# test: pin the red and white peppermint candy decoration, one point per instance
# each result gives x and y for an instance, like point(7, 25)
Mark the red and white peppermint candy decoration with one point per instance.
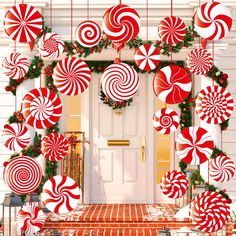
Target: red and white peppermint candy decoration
point(120, 82)
point(214, 104)
point(147, 57)
point(88, 33)
point(22, 175)
point(23, 23)
point(172, 30)
point(71, 76)
point(172, 84)
point(209, 211)
point(41, 108)
point(15, 66)
point(121, 23)
point(194, 145)
point(199, 61)
point(60, 194)
point(174, 184)
point(50, 46)
point(212, 21)
point(54, 147)
point(31, 219)
point(16, 136)
point(165, 121)
point(222, 169)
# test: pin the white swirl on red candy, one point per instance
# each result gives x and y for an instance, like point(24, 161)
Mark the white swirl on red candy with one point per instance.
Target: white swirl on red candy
point(121, 23)
point(120, 82)
point(88, 33)
point(15, 66)
point(194, 145)
point(71, 76)
point(23, 23)
point(172, 84)
point(60, 194)
point(147, 57)
point(174, 184)
point(54, 147)
point(199, 61)
point(50, 46)
point(31, 219)
point(209, 211)
point(41, 108)
point(22, 175)
point(212, 21)
point(172, 30)
point(16, 136)
point(222, 169)
point(165, 121)
point(214, 104)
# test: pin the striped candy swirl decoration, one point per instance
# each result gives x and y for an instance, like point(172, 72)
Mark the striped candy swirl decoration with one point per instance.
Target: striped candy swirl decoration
point(120, 82)
point(174, 184)
point(199, 61)
point(60, 194)
point(212, 21)
point(165, 121)
point(71, 76)
point(121, 23)
point(54, 147)
point(31, 219)
point(15, 66)
point(194, 145)
point(88, 33)
point(50, 46)
point(172, 30)
point(147, 57)
point(209, 211)
point(222, 169)
point(172, 84)
point(214, 104)
point(16, 136)
point(41, 108)
point(22, 175)
point(23, 23)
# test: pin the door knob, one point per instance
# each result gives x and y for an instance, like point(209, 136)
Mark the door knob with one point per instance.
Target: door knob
point(143, 157)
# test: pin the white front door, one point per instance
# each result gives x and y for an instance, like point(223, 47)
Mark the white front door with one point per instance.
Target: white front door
point(118, 173)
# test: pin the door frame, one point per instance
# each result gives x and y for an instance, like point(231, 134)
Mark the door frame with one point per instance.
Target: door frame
point(86, 123)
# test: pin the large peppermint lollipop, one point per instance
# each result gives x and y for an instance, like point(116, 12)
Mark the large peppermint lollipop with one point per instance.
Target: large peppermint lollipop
point(121, 23)
point(15, 66)
point(165, 121)
point(88, 33)
point(172, 84)
point(120, 82)
point(23, 23)
point(41, 108)
point(71, 76)
point(174, 184)
point(16, 136)
point(31, 219)
point(60, 194)
point(209, 211)
point(222, 169)
point(22, 175)
point(50, 46)
point(214, 104)
point(199, 61)
point(194, 145)
point(172, 30)
point(212, 21)
point(54, 147)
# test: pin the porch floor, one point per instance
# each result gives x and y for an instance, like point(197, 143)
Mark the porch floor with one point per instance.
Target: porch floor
point(116, 220)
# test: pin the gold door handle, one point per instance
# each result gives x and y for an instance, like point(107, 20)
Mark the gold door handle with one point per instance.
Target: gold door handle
point(143, 158)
